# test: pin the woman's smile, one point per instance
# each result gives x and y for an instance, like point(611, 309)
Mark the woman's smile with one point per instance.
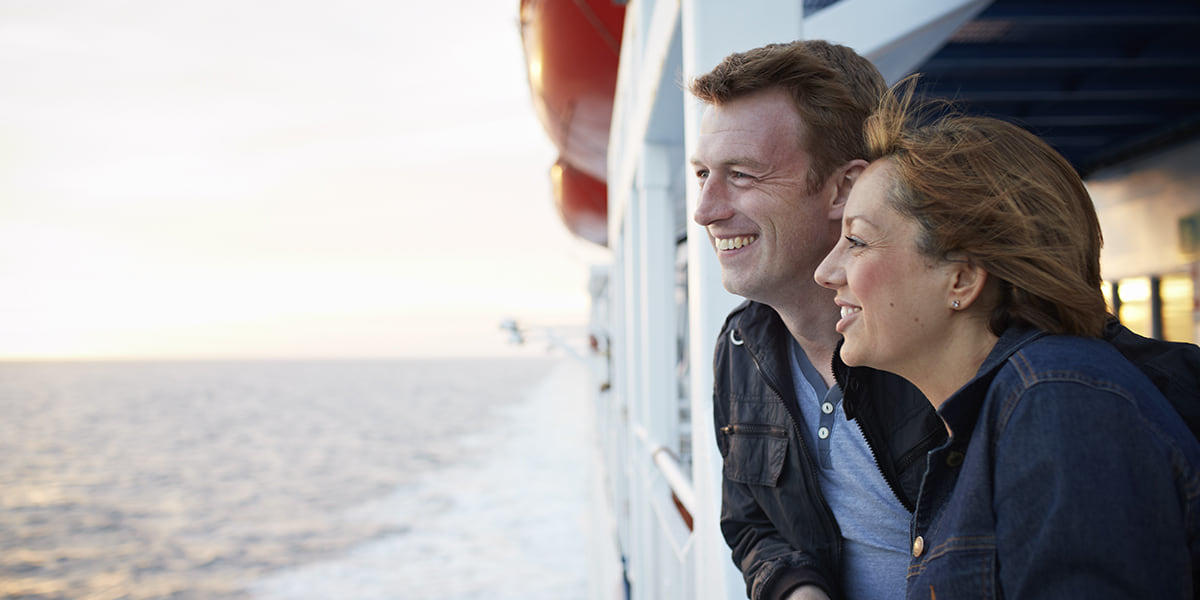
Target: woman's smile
point(849, 313)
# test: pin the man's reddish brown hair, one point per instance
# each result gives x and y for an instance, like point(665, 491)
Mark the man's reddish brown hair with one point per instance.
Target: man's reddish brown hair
point(832, 87)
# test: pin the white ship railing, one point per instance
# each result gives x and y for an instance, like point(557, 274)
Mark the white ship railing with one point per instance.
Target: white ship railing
point(666, 507)
point(670, 468)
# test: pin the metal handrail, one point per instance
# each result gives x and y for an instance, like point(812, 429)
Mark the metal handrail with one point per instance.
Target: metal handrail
point(671, 469)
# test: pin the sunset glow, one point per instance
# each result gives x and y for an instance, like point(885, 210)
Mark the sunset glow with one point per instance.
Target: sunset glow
point(221, 179)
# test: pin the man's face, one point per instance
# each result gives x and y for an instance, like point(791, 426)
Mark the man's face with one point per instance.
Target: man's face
point(769, 230)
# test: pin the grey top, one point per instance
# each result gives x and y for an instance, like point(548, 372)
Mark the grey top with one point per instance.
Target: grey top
point(874, 525)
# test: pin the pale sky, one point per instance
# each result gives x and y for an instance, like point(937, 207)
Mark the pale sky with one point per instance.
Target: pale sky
point(217, 178)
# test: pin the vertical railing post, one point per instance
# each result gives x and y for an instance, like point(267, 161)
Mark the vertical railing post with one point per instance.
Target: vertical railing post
point(659, 408)
point(616, 440)
point(635, 351)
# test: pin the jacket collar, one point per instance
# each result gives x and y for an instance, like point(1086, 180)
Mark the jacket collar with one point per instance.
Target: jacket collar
point(760, 329)
point(961, 410)
point(862, 386)
point(757, 323)
point(853, 380)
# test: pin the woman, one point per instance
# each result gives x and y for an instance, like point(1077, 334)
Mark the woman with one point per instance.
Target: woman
point(970, 266)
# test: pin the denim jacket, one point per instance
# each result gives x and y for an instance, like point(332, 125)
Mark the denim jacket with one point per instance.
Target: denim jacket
point(1068, 475)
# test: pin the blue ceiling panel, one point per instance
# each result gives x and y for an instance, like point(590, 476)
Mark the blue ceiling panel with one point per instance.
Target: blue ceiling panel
point(1101, 81)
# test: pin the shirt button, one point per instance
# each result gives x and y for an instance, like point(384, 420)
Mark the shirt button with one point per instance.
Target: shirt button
point(918, 546)
point(827, 408)
point(954, 459)
point(823, 433)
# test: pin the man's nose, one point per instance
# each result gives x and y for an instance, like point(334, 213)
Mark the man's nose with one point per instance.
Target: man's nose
point(712, 205)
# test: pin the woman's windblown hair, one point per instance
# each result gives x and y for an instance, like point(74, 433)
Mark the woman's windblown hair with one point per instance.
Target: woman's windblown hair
point(991, 192)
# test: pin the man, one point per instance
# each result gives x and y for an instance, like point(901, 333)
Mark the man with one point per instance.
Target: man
point(814, 505)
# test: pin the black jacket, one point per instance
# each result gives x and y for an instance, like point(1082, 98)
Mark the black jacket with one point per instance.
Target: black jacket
point(773, 514)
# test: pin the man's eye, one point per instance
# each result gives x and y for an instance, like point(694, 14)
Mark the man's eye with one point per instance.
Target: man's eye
point(855, 242)
point(738, 175)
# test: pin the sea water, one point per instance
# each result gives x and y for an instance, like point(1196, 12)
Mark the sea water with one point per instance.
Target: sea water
point(447, 479)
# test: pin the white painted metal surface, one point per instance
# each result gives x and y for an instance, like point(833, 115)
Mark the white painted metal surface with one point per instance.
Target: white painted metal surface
point(896, 35)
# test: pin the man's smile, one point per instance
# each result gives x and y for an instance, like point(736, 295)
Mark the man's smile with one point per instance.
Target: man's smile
point(733, 243)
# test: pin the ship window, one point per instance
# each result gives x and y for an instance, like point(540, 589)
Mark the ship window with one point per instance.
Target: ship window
point(1134, 294)
point(1176, 293)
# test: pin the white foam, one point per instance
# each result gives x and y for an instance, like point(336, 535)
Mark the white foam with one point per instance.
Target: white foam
point(511, 524)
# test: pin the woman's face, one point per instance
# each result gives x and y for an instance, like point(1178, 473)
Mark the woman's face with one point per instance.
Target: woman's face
point(894, 300)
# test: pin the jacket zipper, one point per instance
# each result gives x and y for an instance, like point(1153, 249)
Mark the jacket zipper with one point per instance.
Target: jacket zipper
point(812, 464)
point(888, 477)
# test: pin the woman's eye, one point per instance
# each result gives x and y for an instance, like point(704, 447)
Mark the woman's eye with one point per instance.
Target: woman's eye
point(855, 242)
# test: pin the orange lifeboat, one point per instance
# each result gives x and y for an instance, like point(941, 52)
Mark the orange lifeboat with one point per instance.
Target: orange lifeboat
point(572, 48)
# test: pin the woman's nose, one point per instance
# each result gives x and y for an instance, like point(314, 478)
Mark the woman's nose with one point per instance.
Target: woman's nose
point(829, 273)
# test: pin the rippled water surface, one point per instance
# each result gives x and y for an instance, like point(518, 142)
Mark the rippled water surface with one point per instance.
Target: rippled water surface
point(210, 480)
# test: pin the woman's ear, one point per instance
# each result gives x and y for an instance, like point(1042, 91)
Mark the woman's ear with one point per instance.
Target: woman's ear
point(968, 280)
point(843, 180)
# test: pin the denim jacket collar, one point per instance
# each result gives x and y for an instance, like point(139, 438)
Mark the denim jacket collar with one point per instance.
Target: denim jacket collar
point(961, 410)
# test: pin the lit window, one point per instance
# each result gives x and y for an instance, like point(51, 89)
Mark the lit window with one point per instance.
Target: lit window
point(1176, 291)
point(1135, 304)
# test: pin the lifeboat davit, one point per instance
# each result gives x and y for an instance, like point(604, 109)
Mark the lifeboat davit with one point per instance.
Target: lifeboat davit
point(572, 48)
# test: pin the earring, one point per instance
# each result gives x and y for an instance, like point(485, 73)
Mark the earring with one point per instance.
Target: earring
point(954, 304)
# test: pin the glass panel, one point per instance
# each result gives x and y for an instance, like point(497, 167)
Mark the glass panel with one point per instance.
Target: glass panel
point(1135, 304)
point(1176, 291)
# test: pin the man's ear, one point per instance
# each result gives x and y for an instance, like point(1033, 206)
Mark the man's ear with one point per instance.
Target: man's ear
point(968, 280)
point(843, 180)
